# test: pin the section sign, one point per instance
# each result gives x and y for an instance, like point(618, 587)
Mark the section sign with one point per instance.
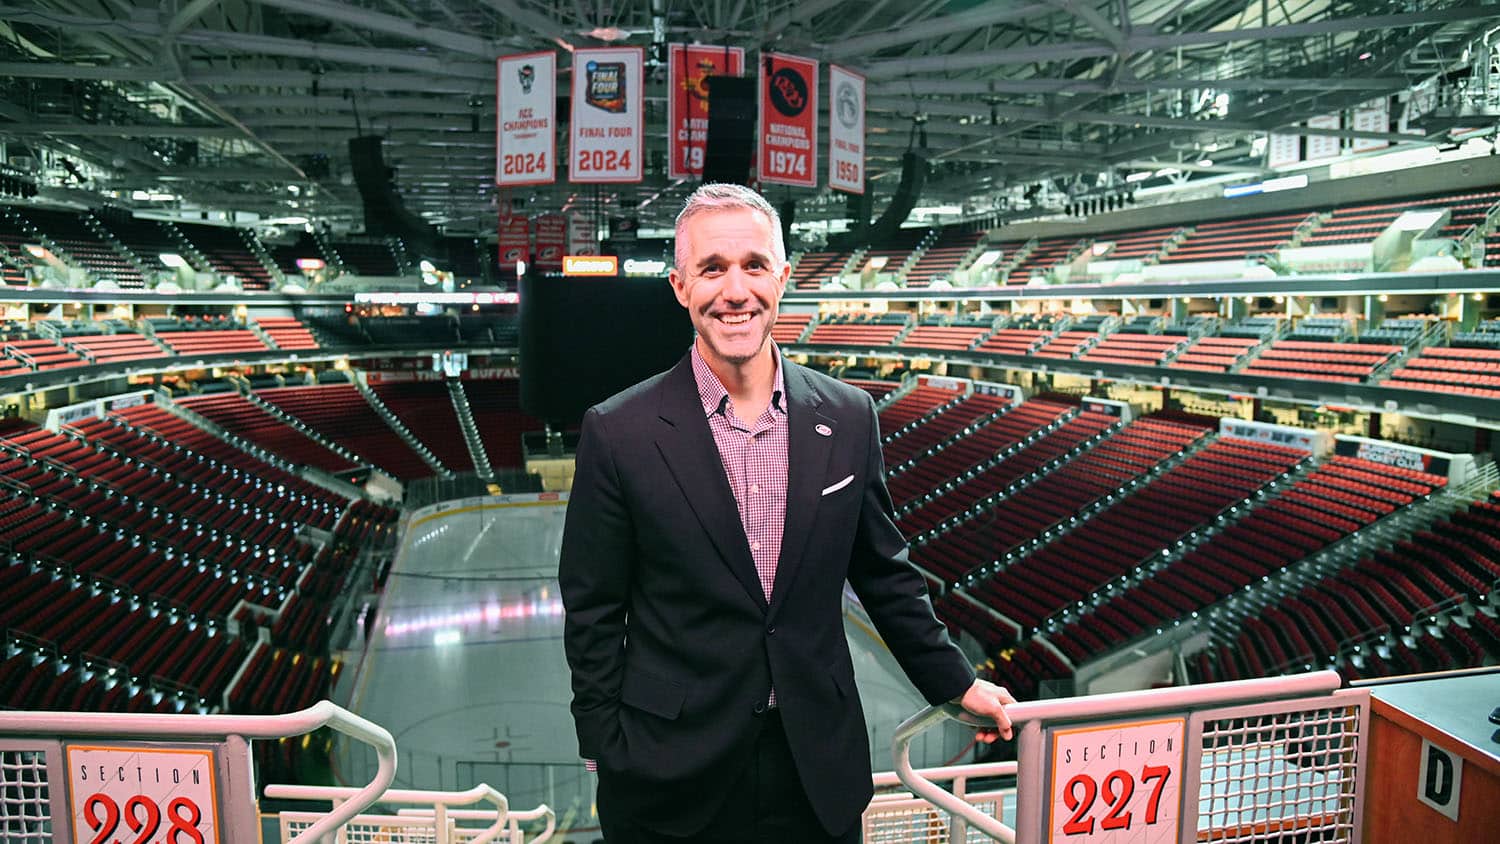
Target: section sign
point(846, 130)
point(526, 119)
point(788, 120)
point(608, 127)
point(688, 68)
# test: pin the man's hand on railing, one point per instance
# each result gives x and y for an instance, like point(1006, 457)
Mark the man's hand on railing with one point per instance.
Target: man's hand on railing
point(987, 700)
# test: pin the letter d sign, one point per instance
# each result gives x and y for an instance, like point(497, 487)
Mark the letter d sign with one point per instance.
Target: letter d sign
point(1440, 779)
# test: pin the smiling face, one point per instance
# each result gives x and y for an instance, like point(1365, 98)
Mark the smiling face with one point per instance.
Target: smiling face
point(731, 283)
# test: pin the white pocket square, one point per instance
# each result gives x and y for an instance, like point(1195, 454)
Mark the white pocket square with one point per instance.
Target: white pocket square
point(840, 485)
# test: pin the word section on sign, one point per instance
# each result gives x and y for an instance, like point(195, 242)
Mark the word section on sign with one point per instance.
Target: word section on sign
point(846, 130)
point(1117, 783)
point(608, 116)
point(142, 794)
point(788, 120)
point(689, 69)
point(526, 119)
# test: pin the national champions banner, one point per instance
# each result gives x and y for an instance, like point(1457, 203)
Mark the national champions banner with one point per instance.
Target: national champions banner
point(688, 69)
point(846, 130)
point(788, 121)
point(513, 241)
point(526, 119)
point(608, 115)
point(551, 241)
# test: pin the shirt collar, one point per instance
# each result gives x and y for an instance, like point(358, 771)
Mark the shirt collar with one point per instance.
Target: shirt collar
point(711, 390)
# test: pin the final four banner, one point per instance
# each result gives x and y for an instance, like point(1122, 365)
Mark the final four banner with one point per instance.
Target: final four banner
point(526, 119)
point(846, 130)
point(688, 69)
point(788, 120)
point(608, 115)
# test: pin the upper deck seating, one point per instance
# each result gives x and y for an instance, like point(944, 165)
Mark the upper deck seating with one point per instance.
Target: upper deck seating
point(341, 415)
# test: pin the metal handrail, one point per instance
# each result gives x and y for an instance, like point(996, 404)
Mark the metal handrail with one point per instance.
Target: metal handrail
point(1110, 705)
point(542, 811)
point(153, 725)
point(404, 795)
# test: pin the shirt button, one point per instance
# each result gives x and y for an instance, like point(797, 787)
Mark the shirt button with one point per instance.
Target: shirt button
point(755, 488)
point(755, 546)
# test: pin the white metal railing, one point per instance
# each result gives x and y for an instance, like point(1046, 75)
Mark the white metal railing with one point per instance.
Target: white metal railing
point(433, 825)
point(514, 820)
point(1254, 758)
point(45, 738)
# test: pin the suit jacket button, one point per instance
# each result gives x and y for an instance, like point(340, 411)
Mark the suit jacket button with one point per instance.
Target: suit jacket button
point(770, 630)
point(760, 708)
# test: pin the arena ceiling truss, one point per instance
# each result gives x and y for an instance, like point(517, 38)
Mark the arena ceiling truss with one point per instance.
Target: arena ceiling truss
point(249, 104)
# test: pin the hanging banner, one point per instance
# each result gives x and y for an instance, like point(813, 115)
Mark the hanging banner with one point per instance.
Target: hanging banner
point(1372, 116)
point(582, 236)
point(526, 119)
point(788, 120)
point(608, 126)
point(846, 130)
point(551, 241)
point(1321, 146)
point(688, 69)
point(513, 241)
point(1283, 150)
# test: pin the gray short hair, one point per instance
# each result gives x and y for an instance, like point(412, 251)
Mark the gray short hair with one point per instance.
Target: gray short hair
point(722, 196)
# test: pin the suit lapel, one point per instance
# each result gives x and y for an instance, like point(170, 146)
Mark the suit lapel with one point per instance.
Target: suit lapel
point(687, 446)
point(808, 453)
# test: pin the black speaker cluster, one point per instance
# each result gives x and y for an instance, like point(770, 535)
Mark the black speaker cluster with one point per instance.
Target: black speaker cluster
point(17, 186)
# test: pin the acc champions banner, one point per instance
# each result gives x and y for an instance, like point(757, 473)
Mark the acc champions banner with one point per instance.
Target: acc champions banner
point(788, 120)
point(608, 115)
point(526, 119)
point(846, 130)
point(688, 69)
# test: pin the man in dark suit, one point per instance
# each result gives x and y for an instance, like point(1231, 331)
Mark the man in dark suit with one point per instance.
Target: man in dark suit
point(717, 511)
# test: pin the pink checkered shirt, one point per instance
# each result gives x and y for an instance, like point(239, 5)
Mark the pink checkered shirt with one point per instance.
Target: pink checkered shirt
point(755, 460)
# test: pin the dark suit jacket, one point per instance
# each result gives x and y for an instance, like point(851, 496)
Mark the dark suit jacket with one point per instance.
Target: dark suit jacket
point(672, 645)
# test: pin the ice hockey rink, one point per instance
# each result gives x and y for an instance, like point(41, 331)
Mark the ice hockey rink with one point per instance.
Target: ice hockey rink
point(465, 663)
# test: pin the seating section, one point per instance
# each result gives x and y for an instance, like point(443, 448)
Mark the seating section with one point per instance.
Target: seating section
point(867, 330)
point(426, 409)
point(938, 427)
point(83, 246)
point(942, 257)
point(955, 337)
point(340, 414)
point(114, 348)
point(1015, 341)
point(877, 389)
point(1231, 240)
point(814, 268)
point(1362, 223)
point(228, 252)
point(985, 534)
point(235, 414)
point(1214, 354)
point(1472, 372)
point(921, 402)
point(1066, 344)
point(927, 479)
point(41, 354)
point(1345, 362)
point(1046, 254)
point(789, 327)
point(1138, 349)
point(1377, 617)
point(211, 341)
point(132, 539)
point(287, 333)
point(1138, 245)
point(496, 406)
point(365, 258)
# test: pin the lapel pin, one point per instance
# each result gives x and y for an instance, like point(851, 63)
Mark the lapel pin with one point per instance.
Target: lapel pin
point(823, 430)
